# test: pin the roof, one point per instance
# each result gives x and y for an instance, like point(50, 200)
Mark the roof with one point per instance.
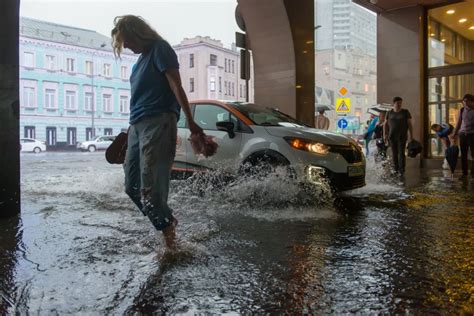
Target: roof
point(59, 33)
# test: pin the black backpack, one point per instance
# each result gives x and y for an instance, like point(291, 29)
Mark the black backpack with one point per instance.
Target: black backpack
point(414, 148)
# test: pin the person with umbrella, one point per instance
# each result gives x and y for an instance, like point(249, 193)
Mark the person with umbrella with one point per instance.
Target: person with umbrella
point(321, 121)
point(465, 130)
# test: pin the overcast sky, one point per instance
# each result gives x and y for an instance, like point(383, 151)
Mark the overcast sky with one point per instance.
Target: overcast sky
point(173, 19)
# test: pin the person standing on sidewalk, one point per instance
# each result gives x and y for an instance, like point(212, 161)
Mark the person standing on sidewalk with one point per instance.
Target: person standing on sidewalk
point(396, 131)
point(465, 130)
point(156, 99)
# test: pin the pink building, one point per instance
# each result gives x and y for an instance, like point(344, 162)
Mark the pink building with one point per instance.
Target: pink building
point(210, 71)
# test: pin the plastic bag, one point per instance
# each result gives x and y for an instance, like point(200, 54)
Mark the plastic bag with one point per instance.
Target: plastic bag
point(203, 144)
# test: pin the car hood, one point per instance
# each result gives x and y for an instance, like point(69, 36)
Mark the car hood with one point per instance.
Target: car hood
point(318, 135)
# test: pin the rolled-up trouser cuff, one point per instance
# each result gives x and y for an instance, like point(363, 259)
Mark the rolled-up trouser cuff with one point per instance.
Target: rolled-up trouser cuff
point(159, 222)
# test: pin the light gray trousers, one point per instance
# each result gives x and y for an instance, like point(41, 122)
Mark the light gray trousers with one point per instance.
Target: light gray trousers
point(151, 150)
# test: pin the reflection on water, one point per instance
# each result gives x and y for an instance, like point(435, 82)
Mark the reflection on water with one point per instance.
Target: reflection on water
point(247, 245)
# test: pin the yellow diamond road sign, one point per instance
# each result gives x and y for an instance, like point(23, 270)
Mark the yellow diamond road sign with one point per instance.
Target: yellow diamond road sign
point(343, 91)
point(343, 105)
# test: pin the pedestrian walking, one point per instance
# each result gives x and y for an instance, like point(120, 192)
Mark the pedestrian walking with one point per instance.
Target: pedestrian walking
point(156, 99)
point(321, 121)
point(397, 131)
point(378, 137)
point(369, 132)
point(465, 130)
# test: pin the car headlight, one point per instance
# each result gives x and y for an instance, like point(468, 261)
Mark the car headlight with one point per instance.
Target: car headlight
point(307, 145)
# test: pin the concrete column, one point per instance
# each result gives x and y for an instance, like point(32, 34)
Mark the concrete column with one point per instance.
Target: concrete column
point(280, 34)
point(9, 108)
point(401, 62)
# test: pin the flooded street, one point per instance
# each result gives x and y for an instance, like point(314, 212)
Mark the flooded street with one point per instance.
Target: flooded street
point(80, 246)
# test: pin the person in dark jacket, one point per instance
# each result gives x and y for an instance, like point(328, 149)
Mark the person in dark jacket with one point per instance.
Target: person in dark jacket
point(397, 130)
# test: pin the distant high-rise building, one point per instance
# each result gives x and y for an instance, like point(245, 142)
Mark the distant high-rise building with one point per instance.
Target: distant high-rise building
point(344, 25)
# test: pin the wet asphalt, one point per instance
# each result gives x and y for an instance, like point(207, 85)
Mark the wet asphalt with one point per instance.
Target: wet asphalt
point(252, 246)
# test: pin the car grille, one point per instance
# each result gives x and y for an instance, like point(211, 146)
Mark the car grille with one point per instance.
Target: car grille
point(342, 182)
point(350, 153)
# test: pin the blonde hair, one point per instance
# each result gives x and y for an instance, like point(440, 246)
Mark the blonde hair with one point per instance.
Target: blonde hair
point(134, 28)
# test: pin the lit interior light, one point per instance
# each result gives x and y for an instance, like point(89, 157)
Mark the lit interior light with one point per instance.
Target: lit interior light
point(309, 42)
point(462, 20)
point(443, 40)
point(299, 87)
point(450, 11)
point(471, 28)
point(432, 34)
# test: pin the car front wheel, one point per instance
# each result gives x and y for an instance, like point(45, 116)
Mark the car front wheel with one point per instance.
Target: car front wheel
point(37, 150)
point(91, 149)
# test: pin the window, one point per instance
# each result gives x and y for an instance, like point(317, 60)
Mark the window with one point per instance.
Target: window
point(191, 84)
point(28, 100)
point(28, 59)
point(240, 91)
point(225, 65)
point(107, 103)
point(89, 67)
point(70, 64)
point(220, 84)
point(233, 65)
point(212, 84)
point(124, 104)
point(50, 62)
point(233, 90)
point(191, 60)
point(123, 72)
point(225, 88)
point(50, 99)
point(30, 132)
point(106, 70)
point(108, 131)
point(182, 120)
point(88, 101)
point(71, 136)
point(206, 116)
point(70, 100)
point(213, 60)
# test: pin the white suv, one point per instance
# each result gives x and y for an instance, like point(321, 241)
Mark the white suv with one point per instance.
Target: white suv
point(249, 134)
point(98, 143)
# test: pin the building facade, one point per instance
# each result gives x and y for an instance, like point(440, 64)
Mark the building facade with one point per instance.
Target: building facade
point(344, 25)
point(210, 71)
point(71, 86)
point(352, 70)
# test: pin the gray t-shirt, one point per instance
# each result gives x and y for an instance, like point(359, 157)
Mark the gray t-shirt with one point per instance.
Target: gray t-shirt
point(398, 123)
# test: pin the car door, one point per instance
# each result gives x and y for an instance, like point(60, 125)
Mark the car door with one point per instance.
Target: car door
point(107, 141)
point(227, 156)
point(25, 146)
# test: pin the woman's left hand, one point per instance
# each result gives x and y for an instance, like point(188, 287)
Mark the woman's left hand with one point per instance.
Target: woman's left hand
point(194, 128)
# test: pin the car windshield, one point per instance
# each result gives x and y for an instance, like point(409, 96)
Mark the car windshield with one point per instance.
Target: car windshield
point(265, 116)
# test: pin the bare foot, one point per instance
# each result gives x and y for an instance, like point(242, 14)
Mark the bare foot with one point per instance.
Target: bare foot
point(170, 234)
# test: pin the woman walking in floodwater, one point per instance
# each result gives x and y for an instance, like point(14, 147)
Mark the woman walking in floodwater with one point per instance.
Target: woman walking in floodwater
point(156, 99)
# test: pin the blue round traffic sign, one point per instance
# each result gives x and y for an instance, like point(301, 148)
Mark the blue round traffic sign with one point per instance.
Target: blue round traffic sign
point(342, 123)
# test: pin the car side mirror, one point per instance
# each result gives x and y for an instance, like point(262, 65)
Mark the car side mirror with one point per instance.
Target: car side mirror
point(226, 126)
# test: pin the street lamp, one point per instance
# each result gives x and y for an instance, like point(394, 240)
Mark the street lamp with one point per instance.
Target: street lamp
point(93, 92)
